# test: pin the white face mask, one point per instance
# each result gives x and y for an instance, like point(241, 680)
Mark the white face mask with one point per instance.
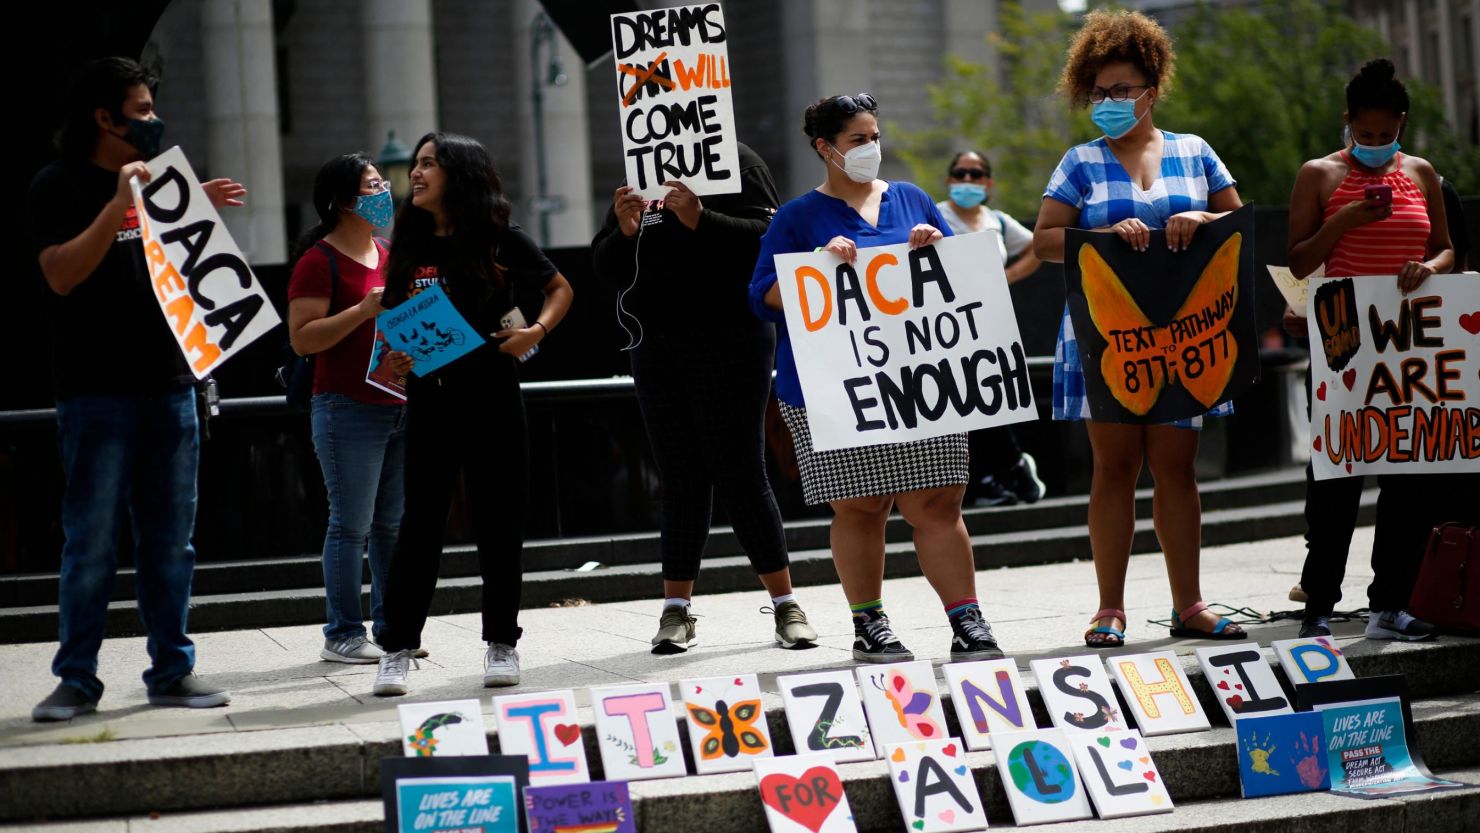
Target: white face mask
point(861, 164)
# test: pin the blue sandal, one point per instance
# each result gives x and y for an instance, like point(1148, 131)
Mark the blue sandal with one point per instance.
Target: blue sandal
point(1226, 630)
point(1113, 637)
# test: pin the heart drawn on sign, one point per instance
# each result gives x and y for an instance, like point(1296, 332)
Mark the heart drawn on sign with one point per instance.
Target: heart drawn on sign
point(897, 756)
point(1470, 321)
point(961, 770)
point(1223, 684)
point(1129, 743)
point(1349, 378)
point(1235, 702)
point(947, 816)
point(1321, 392)
point(1149, 775)
point(918, 824)
point(904, 777)
point(1348, 468)
point(950, 750)
point(567, 733)
point(1125, 765)
point(1105, 742)
point(1317, 444)
point(819, 785)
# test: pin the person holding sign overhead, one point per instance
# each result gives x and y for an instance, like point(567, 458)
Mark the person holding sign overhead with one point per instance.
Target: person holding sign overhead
point(1133, 179)
point(853, 209)
point(333, 298)
point(126, 423)
point(467, 417)
point(702, 364)
point(1369, 210)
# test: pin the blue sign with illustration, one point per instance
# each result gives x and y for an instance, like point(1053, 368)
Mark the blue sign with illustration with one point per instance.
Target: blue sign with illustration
point(430, 328)
point(1282, 753)
point(471, 804)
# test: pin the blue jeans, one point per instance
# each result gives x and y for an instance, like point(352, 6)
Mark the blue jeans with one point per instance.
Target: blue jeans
point(139, 455)
point(362, 450)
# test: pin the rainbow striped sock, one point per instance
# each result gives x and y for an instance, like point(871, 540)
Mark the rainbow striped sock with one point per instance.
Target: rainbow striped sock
point(956, 609)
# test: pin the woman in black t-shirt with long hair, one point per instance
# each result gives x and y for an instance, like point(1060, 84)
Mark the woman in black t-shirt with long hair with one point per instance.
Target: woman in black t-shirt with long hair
point(468, 416)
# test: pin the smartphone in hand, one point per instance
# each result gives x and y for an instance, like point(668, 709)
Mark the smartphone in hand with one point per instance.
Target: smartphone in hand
point(514, 320)
point(1382, 193)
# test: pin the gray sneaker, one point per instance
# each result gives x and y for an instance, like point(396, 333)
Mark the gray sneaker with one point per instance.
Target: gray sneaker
point(1399, 625)
point(63, 703)
point(676, 631)
point(792, 629)
point(355, 650)
point(390, 678)
point(191, 693)
point(500, 665)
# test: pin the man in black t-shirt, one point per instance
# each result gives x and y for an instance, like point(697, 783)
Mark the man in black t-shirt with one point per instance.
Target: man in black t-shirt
point(126, 418)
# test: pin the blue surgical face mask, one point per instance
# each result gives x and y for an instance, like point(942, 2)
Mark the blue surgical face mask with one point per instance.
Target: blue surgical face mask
point(376, 209)
point(1116, 118)
point(1375, 156)
point(968, 194)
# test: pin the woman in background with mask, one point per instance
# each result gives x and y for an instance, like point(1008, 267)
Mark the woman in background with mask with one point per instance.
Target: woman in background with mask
point(1008, 474)
point(1369, 210)
point(851, 210)
point(333, 298)
point(1133, 179)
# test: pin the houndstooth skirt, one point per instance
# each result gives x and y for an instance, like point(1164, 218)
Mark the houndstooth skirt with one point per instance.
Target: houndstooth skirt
point(872, 470)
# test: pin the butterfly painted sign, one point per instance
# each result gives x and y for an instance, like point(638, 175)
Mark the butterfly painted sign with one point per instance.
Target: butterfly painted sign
point(726, 723)
point(988, 696)
point(902, 703)
point(453, 727)
point(825, 715)
point(1164, 335)
point(935, 787)
point(803, 793)
point(1119, 775)
point(543, 726)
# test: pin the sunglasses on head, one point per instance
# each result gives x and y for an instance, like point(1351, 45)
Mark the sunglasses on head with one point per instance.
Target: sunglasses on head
point(970, 173)
point(851, 104)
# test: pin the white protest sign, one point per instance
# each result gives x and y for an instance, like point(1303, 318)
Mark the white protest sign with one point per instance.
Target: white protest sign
point(673, 98)
point(1294, 289)
point(209, 296)
point(905, 344)
point(1395, 379)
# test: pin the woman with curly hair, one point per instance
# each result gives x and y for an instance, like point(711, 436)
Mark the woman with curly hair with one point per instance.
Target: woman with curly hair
point(1133, 179)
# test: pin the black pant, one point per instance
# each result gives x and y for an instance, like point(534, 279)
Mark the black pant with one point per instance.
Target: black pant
point(470, 423)
point(703, 399)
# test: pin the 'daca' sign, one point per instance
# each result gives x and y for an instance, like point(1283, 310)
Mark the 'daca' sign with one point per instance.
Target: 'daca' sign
point(1164, 335)
point(1395, 379)
point(905, 344)
point(673, 91)
point(211, 299)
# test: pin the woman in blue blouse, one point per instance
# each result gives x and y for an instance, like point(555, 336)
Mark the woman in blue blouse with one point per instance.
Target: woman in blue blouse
point(1133, 179)
point(926, 479)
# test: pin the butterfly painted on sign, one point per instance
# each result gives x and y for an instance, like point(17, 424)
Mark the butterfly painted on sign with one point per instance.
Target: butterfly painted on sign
point(726, 722)
point(902, 703)
point(1136, 365)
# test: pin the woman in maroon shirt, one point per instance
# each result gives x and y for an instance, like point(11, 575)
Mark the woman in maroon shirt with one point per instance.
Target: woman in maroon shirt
point(333, 298)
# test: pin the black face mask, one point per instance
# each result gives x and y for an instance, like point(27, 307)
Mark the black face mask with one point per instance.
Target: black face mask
point(145, 135)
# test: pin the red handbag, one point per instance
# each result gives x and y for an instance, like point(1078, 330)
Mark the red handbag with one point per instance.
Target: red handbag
point(1448, 589)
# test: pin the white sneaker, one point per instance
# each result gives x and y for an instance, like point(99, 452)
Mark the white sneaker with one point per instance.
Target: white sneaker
point(1399, 625)
point(355, 650)
point(390, 679)
point(500, 665)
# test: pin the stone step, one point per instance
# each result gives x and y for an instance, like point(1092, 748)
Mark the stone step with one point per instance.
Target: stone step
point(231, 577)
point(341, 761)
point(1449, 811)
point(459, 594)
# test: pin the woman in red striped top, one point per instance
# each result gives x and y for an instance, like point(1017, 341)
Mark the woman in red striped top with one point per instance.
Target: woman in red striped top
point(1368, 210)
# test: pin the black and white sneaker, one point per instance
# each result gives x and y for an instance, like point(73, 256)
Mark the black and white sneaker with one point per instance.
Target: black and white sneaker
point(1399, 625)
point(1023, 480)
point(972, 637)
point(1315, 624)
point(990, 491)
point(874, 640)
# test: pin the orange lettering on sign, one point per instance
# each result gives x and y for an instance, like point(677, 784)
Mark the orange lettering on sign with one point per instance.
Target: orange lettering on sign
point(199, 342)
point(179, 312)
point(814, 324)
point(871, 279)
point(167, 282)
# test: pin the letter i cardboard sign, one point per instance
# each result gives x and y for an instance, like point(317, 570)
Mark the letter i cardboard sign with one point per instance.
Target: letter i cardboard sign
point(726, 723)
point(1312, 660)
point(636, 732)
point(1077, 693)
point(1037, 771)
point(1119, 775)
point(988, 696)
point(1242, 681)
point(1158, 693)
point(825, 715)
point(935, 787)
point(902, 702)
point(544, 728)
point(803, 793)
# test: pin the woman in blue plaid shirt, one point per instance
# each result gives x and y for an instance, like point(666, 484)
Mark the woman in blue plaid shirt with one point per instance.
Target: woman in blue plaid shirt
point(1133, 179)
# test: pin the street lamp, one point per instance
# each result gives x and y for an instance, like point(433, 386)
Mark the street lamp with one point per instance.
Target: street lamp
point(394, 162)
point(542, 33)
